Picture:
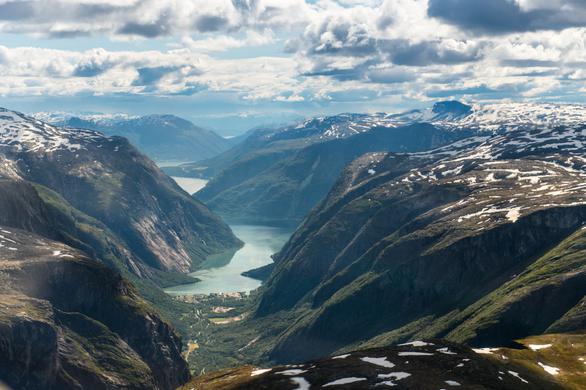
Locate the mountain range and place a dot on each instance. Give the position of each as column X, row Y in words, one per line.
column 277, row 176
column 461, row 225
column 480, row 241
column 477, row 239
column 164, row 138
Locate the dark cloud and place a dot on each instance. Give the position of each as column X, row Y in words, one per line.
column 210, row 23
column 155, row 29
column 529, row 63
column 403, row 52
column 66, row 34
column 91, row 68
column 98, row 10
column 390, row 76
column 17, row 10
column 506, row 16
column 151, row 75
column 322, row 44
column 338, row 74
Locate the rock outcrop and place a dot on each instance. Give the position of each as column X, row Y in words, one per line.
column 68, row 322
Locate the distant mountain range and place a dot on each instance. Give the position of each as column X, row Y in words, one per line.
column 164, row 138
column 277, row 175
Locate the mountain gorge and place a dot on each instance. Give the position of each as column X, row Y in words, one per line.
column 480, row 242
column 459, row 225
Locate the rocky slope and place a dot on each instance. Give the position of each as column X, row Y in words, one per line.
column 68, row 322
column 161, row 137
column 120, row 191
column 480, row 242
column 422, row 365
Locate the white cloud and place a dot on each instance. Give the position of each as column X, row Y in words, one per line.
column 372, row 47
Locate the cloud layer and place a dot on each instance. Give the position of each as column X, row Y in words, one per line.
column 293, row 51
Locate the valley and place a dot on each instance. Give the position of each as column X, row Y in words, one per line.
column 451, row 225
column 293, row 195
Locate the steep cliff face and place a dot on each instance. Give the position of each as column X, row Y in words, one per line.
column 477, row 242
column 110, row 181
column 67, row 322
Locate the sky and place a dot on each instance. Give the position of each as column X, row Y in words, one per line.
column 234, row 64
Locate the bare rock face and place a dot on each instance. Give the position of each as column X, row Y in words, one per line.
column 68, row 322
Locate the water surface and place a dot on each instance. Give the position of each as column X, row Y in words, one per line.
column 222, row 273
column 189, row 184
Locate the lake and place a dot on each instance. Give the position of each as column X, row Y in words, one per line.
column 222, row 273
column 189, row 184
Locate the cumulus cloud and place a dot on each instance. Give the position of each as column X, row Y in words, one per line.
column 146, row 18
column 505, row 16
column 300, row 51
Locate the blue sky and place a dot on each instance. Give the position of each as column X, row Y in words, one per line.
column 234, row 64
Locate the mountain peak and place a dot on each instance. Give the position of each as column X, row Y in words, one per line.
column 453, row 107
column 25, row 133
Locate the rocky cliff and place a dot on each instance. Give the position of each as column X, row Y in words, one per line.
column 108, row 180
column 480, row 242
column 68, row 322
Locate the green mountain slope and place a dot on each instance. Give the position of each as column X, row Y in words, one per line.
column 482, row 245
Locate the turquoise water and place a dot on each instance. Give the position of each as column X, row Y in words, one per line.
column 222, row 273
column 190, row 185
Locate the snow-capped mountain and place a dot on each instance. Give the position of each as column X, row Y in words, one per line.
column 447, row 114
column 479, row 241
column 28, row 134
column 308, row 157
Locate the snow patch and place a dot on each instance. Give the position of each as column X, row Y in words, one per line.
column 382, row 361
column 344, row 381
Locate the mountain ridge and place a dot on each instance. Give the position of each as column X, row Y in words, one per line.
column 163, row 137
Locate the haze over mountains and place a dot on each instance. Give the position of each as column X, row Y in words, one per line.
column 164, row 138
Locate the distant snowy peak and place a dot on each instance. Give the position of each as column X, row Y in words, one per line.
column 62, row 117
column 506, row 116
column 496, row 118
column 452, row 115
column 27, row 134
